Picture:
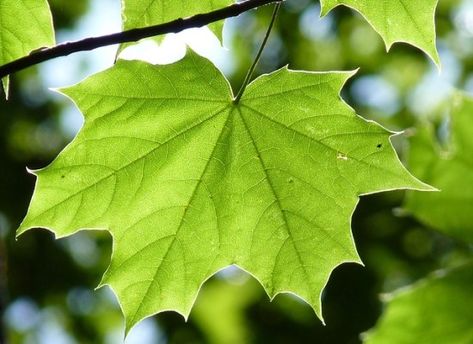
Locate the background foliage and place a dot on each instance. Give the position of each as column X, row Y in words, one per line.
column 47, row 285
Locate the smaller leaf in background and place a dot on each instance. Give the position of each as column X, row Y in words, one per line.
column 141, row 13
column 397, row 21
column 437, row 310
column 25, row 25
column 451, row 210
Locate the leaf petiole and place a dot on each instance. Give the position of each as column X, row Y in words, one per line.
column 258, row 55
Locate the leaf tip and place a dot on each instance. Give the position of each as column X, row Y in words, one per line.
column 324, row 8
column 437, row 62
column 423, row 187
column 128, row 327
column 6, row 86
column 431, row 52
column 32, row 171
column 20, row 231
column 55, row 89
column 350, row 74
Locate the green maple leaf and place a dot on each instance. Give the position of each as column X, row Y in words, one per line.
column 410, row 21
column 142, row 13
column 436, row 310
column 25, row 25
column 449, row 211
column 188, row 182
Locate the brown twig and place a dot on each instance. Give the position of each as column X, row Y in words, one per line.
column 133, row 35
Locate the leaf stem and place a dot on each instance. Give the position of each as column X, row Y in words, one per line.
column 258, row 55
column 133, row 35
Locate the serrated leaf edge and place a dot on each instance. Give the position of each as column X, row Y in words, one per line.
column 434, row 56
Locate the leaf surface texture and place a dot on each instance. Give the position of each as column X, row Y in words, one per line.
column 25, row 25
column 410, row 21
column 142, row 13
column 188, row 182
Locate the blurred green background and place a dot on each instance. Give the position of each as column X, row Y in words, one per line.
column 47, row 286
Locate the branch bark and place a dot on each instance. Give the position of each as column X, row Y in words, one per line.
column 133, row 35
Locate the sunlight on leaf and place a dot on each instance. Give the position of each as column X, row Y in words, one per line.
column 188, row 182
column 142, row 13
column 409, row 21
column 25, row 25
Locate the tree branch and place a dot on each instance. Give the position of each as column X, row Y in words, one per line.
column 133, row 35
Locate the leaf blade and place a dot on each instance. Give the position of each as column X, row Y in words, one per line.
column 188, row 182
column 138, row 13
column 411, row 22
column 19, row 38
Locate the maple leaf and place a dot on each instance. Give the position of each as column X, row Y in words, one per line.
column 188, row 182
column 434, row 310
column 450, row 210
column 19, row 37
column 409, row 21
column 142, row 13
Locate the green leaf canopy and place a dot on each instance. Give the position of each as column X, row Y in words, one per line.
column 410, row 21
column 187, row 182
column 436, row 310
column 450, row 210
column 25, row 25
